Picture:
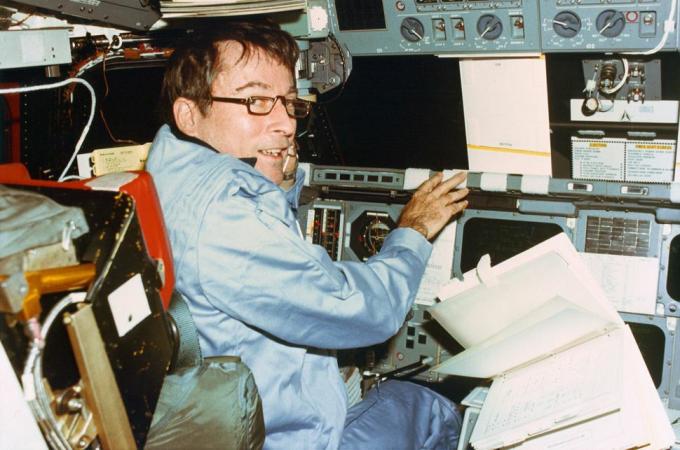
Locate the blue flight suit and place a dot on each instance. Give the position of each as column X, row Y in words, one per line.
column 257, row 289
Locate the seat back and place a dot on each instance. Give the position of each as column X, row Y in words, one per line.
column 139, row 186
column 125, row 243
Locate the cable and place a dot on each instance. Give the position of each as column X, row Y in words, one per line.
column 87, row 65
column 57, row 85
column 32, row 377
column 106, row 80
column 668, row 27
column 73, row 177
column 403, row 372
column 101, row 107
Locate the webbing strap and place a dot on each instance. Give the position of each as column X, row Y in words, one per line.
column 189, row 351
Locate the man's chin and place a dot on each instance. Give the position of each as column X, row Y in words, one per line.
column 274, row 174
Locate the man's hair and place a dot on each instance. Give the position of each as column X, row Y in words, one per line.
column 195, row 62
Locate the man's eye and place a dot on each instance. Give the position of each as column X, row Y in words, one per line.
column 259, row 101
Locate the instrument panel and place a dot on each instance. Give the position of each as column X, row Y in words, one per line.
column 628, row 238
column 436, row 27
column 587, row 25
column 504, row 27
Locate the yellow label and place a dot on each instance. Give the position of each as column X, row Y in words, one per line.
column 654, row 147
column 119, row 159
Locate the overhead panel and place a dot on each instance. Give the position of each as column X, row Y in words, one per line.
column 132, row 14
column 467, row 27
column 596, row 26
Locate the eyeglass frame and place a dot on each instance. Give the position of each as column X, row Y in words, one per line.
column 248, row 101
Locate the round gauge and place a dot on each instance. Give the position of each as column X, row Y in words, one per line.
column 369, row 231
column 610, row 23
column 566, row 24
column 374, row 234
column 489, row 27
column 412, row 29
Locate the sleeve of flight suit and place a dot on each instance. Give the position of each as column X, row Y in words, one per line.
column 255, row 267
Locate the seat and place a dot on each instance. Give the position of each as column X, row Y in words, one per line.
column 128, row 333
column 198, row 392
column 155, row 364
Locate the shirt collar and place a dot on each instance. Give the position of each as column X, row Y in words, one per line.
column 185, row 137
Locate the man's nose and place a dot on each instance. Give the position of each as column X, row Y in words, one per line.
column 281, row 119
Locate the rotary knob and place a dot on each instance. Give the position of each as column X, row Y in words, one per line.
column 566, row 24
column 489, row 27
column 412, row 29
column 610, row 23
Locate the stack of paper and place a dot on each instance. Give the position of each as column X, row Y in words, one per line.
column 505, row 104
column 567, row 373
column 221, row 8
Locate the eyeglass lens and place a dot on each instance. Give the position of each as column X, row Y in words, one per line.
column 264, row 105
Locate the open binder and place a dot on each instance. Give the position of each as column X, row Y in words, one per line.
column 567, row 373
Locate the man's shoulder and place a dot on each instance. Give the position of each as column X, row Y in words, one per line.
column 180, row 165
column 169, row 152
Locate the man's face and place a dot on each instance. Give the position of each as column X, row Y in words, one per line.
column 229, row 127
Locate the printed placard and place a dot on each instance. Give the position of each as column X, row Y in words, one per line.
column 650, row 161
column 595, row 159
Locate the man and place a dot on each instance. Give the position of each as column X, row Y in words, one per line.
column 225, row 170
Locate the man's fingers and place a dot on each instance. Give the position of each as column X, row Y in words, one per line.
column 449, row 184
column 455, row 196
column 455, row 208
column 429, row 185
column 459, row 206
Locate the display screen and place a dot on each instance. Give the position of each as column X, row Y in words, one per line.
column 501, row 239
column 651, row 341
column 673, row 281
column 394, row 112
column 360, row 15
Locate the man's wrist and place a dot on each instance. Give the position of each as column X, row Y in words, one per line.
column 419, row 227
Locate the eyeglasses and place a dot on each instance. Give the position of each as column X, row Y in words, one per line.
column 261, row 106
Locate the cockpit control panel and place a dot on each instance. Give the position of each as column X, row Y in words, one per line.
column 627, row 233
column 595, row 26
column 503, row 27
column 437, row 27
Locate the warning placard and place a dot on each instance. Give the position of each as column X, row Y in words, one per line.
column 623, row 160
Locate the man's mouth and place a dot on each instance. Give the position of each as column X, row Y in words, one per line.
column 273, row 152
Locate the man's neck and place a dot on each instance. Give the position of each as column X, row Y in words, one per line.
column 185, row 137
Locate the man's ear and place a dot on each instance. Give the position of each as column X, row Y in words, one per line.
column 186, row 114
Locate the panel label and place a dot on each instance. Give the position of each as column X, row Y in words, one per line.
column 623, row 160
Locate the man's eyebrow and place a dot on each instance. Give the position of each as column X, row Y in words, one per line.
column 250, row 84
column 260, row 84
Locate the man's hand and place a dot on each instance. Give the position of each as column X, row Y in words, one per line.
column 433, row 205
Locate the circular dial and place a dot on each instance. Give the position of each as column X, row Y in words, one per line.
column 566, row 24
column 489, row 27
column 369, row 231
column 610, row 23
column 412, row 29
column 374, row 234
